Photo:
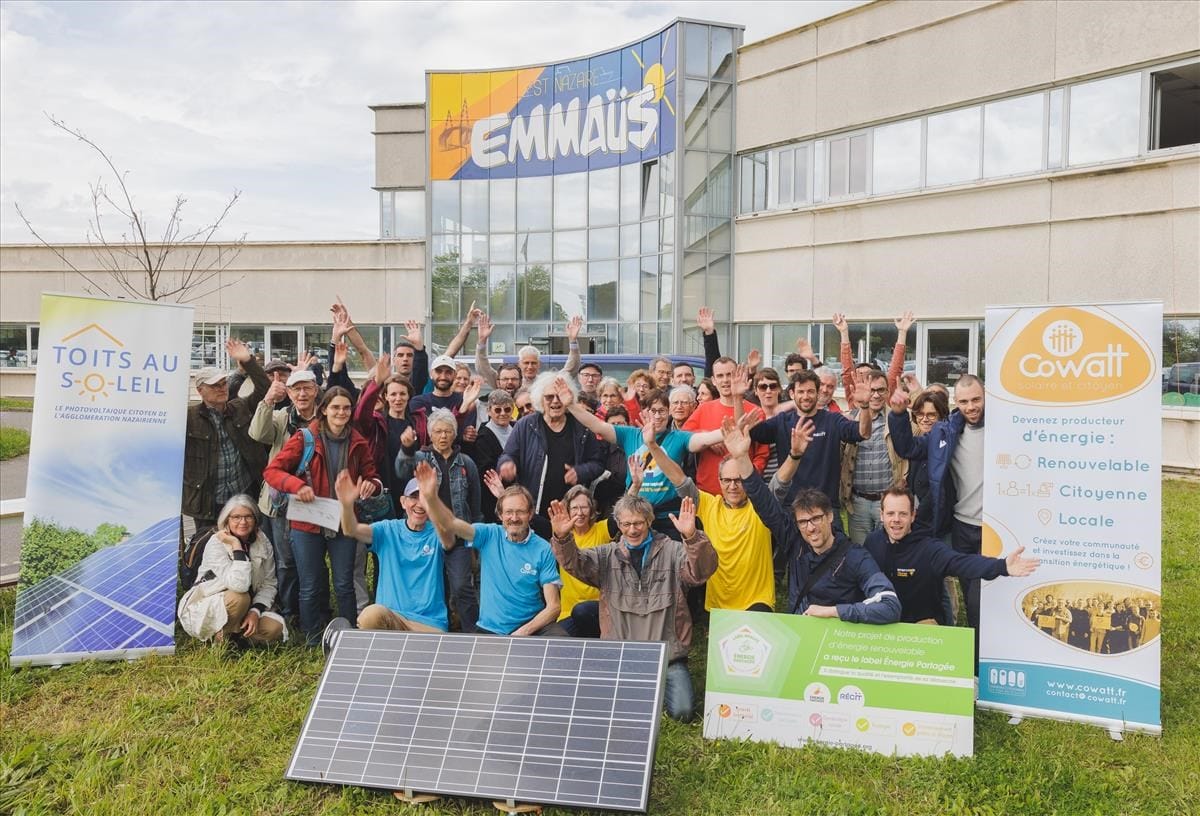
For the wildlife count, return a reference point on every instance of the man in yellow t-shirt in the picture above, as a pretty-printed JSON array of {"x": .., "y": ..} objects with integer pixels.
[{"x": 745, "y": 578}]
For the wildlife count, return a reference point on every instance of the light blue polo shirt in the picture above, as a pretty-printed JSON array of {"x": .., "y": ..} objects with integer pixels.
[
  {"x": 656, "y": 487},
  {"x": 410, "y": 571},
  {"x": 511, "y": 575}
]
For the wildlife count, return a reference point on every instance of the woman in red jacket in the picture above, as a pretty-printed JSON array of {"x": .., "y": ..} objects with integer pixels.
[{"x": 336, "y": 447}]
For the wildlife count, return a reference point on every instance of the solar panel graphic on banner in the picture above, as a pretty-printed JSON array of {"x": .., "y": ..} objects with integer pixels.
[
  {"x": 548, "y": 720},
  {"x": 119, "y": 599}
]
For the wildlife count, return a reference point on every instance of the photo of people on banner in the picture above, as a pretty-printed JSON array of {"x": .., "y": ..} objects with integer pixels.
[{"x": 1095, "y": 616}]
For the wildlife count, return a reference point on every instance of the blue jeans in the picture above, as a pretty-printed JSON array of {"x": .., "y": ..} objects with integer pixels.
[
  {"x": 678, "y": 696},
  {"x": 967, "y": 538},
  {"x": 463, "y": 595},
  {"x": 287, "y": 595},
  {"x": 863, "y": 517},
  {"x": 584, "y": 620},
  {"x": 309, "y": 550}
]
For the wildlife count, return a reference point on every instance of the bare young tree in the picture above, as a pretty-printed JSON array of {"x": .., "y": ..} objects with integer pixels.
[{"x": 179, "y": 266}]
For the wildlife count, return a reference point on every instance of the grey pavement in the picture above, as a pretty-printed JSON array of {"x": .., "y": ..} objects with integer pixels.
[{"x": 13, "y": 475}]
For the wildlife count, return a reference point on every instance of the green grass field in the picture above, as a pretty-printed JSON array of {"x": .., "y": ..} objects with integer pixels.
[
  {"x": 207, "y": 733},
  {"x": 14, "y": 442}
]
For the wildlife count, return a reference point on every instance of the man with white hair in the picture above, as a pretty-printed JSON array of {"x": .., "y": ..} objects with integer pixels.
[
  {"x": 549, "y": 451},
  {"x": 529, "y": 359},
  {"x": 825, "y": 391}
]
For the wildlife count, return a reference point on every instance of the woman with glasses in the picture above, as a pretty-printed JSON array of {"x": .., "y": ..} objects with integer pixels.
[
  {"x": 768, "y": 392},
  {"x": 383, "y": 418},
  {"x": 335, "y": 447},
  {"x": 235, "y": 585},
  {"x": 489, "y": 443},
  {"x": 580, "y": 615}
]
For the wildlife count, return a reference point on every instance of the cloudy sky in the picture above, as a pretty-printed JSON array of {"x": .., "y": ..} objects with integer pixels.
[{"x": 202, "y": 99}]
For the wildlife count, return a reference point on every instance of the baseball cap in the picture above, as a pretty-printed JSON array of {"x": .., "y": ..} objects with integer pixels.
[
  {"x": 599, "y": 370},
  {"x": 442, "y": 361},
  {"x": 276, "y": 365},
  {"x": 303, "y": 375},
  {"x": 211, "y": 375},
  {"x": 412, "y": 488}
]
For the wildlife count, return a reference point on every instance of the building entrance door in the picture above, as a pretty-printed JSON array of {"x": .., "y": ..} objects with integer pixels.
[
  {"x": 949, "y": 351},
  {"x": 283, "y": 343}
]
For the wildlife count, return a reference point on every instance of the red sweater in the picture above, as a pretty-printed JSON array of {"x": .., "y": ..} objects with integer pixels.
[{"x": 280, "y": 472}]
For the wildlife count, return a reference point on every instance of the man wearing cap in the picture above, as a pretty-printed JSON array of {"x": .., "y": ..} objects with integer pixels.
[
  {"x": 220, "y": 459},
  {"x": 443, "y": 394},
  {"x": 410, "y": 596},
  {"x": 590, "y": 375},
  {"x": 288, "y": 406}
]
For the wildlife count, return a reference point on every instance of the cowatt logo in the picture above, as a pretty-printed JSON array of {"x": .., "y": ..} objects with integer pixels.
[{"x": 1074, "y": 356}]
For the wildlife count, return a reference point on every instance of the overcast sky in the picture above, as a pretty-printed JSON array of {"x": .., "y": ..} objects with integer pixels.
[{"x": 202, "y": 99}]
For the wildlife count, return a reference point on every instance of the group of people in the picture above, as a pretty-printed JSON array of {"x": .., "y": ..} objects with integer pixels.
[
  {"x": 1102, "y": 625},
  {"x": 594, "y": 508}
]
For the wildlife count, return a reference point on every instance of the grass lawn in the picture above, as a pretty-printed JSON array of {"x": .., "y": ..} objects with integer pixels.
[
  {"x": 11, "y": 404},
  {"x": 14, "y": 442},
  {"x": 201, "y": 732}
]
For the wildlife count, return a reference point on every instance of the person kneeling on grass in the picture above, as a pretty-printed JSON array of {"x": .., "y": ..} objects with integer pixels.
[
  {"x": 235, "y": 584},
  {"x": 642, "y": 580},
  {"x": 410, "y": 595}
]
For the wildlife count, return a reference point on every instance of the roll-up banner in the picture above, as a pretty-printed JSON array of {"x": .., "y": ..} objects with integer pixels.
[
  {"x": 1073, "y": 474},
  {"x": 100, "y": 545}
]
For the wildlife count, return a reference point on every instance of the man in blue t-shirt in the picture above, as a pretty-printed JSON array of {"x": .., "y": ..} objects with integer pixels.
[
  {"x": 519, "y": 581},
  {"x": 411, "y": 594}
]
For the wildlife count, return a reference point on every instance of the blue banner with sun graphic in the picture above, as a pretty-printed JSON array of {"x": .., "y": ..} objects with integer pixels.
[
  {"x": 100, "y": 546},
  {"x": 601, "y": 111}
]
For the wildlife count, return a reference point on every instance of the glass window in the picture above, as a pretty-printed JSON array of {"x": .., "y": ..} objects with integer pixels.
[
  {"x": 570, "y": 200},
  {"x": 445, "y": 206},
  {"x": 445, "y": 247},
  {"x": 253, "y": 337},
  {"x": 839, "y": 158},
  {"x": 569, "y": 291},
  {"x": 604, "y": 199},
  {"x": 474, "y": 287},
  {"x": 897, "y": 157},
  {"x": 1176, "y": 118},
  {"x": 858, "y": 164},
  {"x": 502, "y": 196},
  {"x": 783, "y": 342},
  {"x": 749, "y": 337},
  {"x": 694, "y": 291},
  {"x": 503, "y": 248},
  {"x": 570, "y": 245},
  {"x": 1104, "y": 119},
  {"x": 1012, "y": 136},
  {"x": 533, "y": 203},
  {"x": 666, "y": 177},
  {"x": 474, "y": 247},
  {"x": 786, "y": 176},
  {"x": 533, "y": 292},
  {"x": 719, "y": 231},
  {"x": 1054, "y": 142},
  {"x": 602, "y": 290},
  {"x": 474, "y": 205},
  {"x": 818, "y": 173},
  {"x": 696, "y": 50},
  {"x": 650, "y": 189},
  {"x": 649, "y": 284},
  {"x": 630, "y": 239},
  {"x": 720, "y": 121},
  {"x": 695, "y": 113},
  {"x": 1181, "y": 361},
  {"x": 316, "y": 343},
  {"x": 631, "y": 190},
  {"x": 721, "y": 57},
  {"x": 444, "y": 285},
  {"x": 668, "y": 232},
  {"x": 666, "y": 285},
  {"x": 952, "y": 147},
  {"x": 13, "y": 351},
  {"x": 760, "y": 182},
  {"x": 629, "y": 290},
  {"x": 746, "y": 184},
  {"x": 410, "y": 214},
  {"x": 718, "y": 283},
  {"x": 205, "y": 348},
  {"x": 602, "y": 243},
  {"x": 502, "y": 295},
  {"x": 650, "y": 236},
  {"x": 800, "y": 189},
  {"x": 533, "y": 247},
  {"x": 947, "y": 354}
]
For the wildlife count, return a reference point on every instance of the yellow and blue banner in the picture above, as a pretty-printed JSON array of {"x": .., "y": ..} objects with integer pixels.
[
  {"x": 614, "y": 108},
  {"x": 1073, "y": 473}
]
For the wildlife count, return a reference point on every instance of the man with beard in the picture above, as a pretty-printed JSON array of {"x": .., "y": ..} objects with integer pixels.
[{"x": 443, "y": 394}]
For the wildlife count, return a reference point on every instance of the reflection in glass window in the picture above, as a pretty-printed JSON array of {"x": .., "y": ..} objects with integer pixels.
[
  {"x": 569, "y": 291},
  {"x": 1012, "y": 136},
  {"x": 839, "y": 158},
  {"x": 721, "y": 57},
  {"x": 570, "y": 200},
  {"x": 783, "y": 342},
  {"x": 474, "y": 247},
  {"x": 720, "y": 120},
  {"x": 602, "y": 290},
  {"x": 503, "y": 248},
  {"x": 503, "y": 204},
  {"x": 696, "y": 50},
  {"x": 570, "y": 245},
  {"x": 631, "y": 235},
  {"x": 800, "y": 188},
  {"x": 502, "y": 294},
  {"x": 1181, "y": 361},
  {"x": 746, "y": 181},
  {"x": 1054, "y": 129},
  {"x": 387, "y": 218},
  {"x": 533, "y": 247},
  {"x": 604, "y": 200},
  {"x": 897, "y": 157},
  {"x": 1104, "y": 119},
  {"x": 533, "y": 292},
  {"x": 474, "y": 286},
  {"x": 410, "y": 214},
  {"x": 650, "y": 236},
  {"x": 533, "y": 203},
  {"x": 952, "y": 153},
  {"x": 444, "y": 286},
  {"x": 858, "y": 164},
  {"x": 786, "y": 176},
  {"x": 650, "y": 189},
  {"x": 666, "y": 177},
  {"x": 474, "y": 205},
  {"x": 629, "y": 290},
  {"x": 760, "y": 181},
  {"x": 14, "y": 354},
  {"x": 445, "y": 247},
  {"x": 602, "y": 243},
  {"x": 631, "y": 190},
  {"x": 666, "y": 286},
  {"x": 445, "y": 206},
  {"x": 718, "y": 283}
]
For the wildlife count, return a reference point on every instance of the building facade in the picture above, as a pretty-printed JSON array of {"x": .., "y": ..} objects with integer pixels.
[{"x": 932, "y": 156}]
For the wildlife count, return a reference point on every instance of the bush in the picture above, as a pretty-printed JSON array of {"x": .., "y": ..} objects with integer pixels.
[{"x": 47, "y": 548}]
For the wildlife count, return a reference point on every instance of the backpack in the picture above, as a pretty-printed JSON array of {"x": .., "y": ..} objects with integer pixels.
[
  {"x": 279, "y": 499},
  {"x": 190, "y": 556}
]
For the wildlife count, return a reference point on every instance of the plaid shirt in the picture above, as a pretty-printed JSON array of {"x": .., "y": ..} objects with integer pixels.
[
  {"x": 232, "y": 476},
  {"x": 873, "y": 467}
]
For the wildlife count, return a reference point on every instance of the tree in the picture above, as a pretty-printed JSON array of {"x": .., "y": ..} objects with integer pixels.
[{"x": 180, "y": 266}]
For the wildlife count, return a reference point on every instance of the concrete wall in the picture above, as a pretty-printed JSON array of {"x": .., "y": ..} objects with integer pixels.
[{"x": 400, "y": 146}]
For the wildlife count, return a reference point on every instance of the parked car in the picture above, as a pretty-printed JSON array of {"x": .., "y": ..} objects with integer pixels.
[
  {"x": 618, "y": 366},
  {"x": 1182, "y": 378}
]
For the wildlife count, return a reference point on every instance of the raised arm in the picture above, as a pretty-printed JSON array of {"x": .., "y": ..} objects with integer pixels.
[
  {"x": 483, "y": 366},
  {"x": 712, "y": 345},
  {"x": 571, "y": 366},
  {"x": 441, "y": 515},
  {"x": 347, "y": 492},
  {"x": 420, "y": 372},
  {"x": 262, "y": 424},
  {"x": 700, "y": 559},
  {"x": 900, "y": 427},
  {"x": 802, "y": 434},
  {"x": 581, "y": 564},
  {"x": 240, "y": 352},
  {"x": 464, "y": 331},
  {"x": 585, "y": 417},
  {"x": 669, "y": 466},
  {"x": 845, "y": 353},
  {"x": 903, "y": 324}
]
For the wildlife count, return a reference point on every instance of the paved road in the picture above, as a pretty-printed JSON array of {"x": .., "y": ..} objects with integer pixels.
[{"x": 13, "y": 474}]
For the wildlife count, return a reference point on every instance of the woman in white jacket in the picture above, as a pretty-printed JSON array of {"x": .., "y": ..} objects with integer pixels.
[{"x": 235, "y": 585}]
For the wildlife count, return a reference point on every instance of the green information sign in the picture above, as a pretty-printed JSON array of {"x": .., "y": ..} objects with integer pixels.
[{"x": 897, "y": 689}]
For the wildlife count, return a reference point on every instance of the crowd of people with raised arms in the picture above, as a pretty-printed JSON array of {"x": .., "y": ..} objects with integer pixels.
[{"x": 514, "y": 501}]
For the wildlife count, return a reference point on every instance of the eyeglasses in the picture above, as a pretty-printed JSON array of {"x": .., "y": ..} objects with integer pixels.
[
  {"x": 768, "y": 386},
  {"x": 930, "y": 416},
  {"x": 632, "y": 525},
  {"x": 879, "y": 390},
  {"x": 526, "y": 408},
  {"x": 658, "y": 411},
  {"x": 737, "y": 480},
  {"x": 240, "y": 517},
  {"x": 811, "y": 521}
]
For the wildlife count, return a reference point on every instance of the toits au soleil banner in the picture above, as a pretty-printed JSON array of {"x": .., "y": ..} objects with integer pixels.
[
  {"x": 1073, "y": 474},
  {"x": 100, "y": 545}
]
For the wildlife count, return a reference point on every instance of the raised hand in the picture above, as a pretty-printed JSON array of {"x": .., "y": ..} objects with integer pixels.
[
  {"x": 570, "y": 476},
  {"x": 637, "y": 470},
  {"x": 741, "y": 381},
  {"x": 573, "y": 327},
  {"x": 342, "y": 325},
  {"x": 563, "y": 391},
  {"x": 560, "y": 519},
  {"x": 737, "y": 443},
  {"x": 508, "y": 472},
  {"x": 472, "y": 391},
  {"x": 415, "y": 333},
  {"x": 383, "y": 368},
  {"x": 753, "y": 359},
  {"x": 648, "y": 434},
  {"x": 340, "y": 350},
  {"x": 408, "y": 439},
  {"x": 898, "y": 402},
  {"x": 805, "y": 349},
  {"x": 705, "y": 320},
  {"x": 275, "y": 393},
  {"x": 839, "y": 323},
  {"x": 910, "y": 383},
  {"x": 862, "y": 388},
  {"x": 493, "y": 482},
  {"x": 303, "y": 361},
  {"x": 486, "y": 327},
  {"x": 427, "y": 479},
  {"x": 802, "y": 435},
  {"x": 685, "y": 522},
  {"x": 1020, "y": 567},
  {"x": 750, "y": 419},
  {"x": 903, "y": 324},
  {"x": 237, "y": 350}
]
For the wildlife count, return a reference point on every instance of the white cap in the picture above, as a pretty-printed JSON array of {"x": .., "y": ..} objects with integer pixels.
[
  {"x": 442, "y": 361},
  {"x": 299, "y": 376}
]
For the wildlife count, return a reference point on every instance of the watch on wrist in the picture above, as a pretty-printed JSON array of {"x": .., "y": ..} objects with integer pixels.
[{"x": 795, "y": 457}]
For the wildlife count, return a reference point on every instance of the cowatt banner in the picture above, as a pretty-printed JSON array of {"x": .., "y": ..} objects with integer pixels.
[
  {"x": 1073, "y": 474},
  {"x": 100, "y": 546}
]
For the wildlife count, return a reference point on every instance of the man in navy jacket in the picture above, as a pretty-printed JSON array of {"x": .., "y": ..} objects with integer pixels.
[{"x": 916, "y": 563}]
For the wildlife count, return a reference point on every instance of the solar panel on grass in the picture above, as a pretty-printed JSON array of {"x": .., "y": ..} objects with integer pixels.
[{"x": 547, "y": 720}]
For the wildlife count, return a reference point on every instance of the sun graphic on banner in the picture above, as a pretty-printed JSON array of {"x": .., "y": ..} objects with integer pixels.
[{"x": 656, "y": 76}]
